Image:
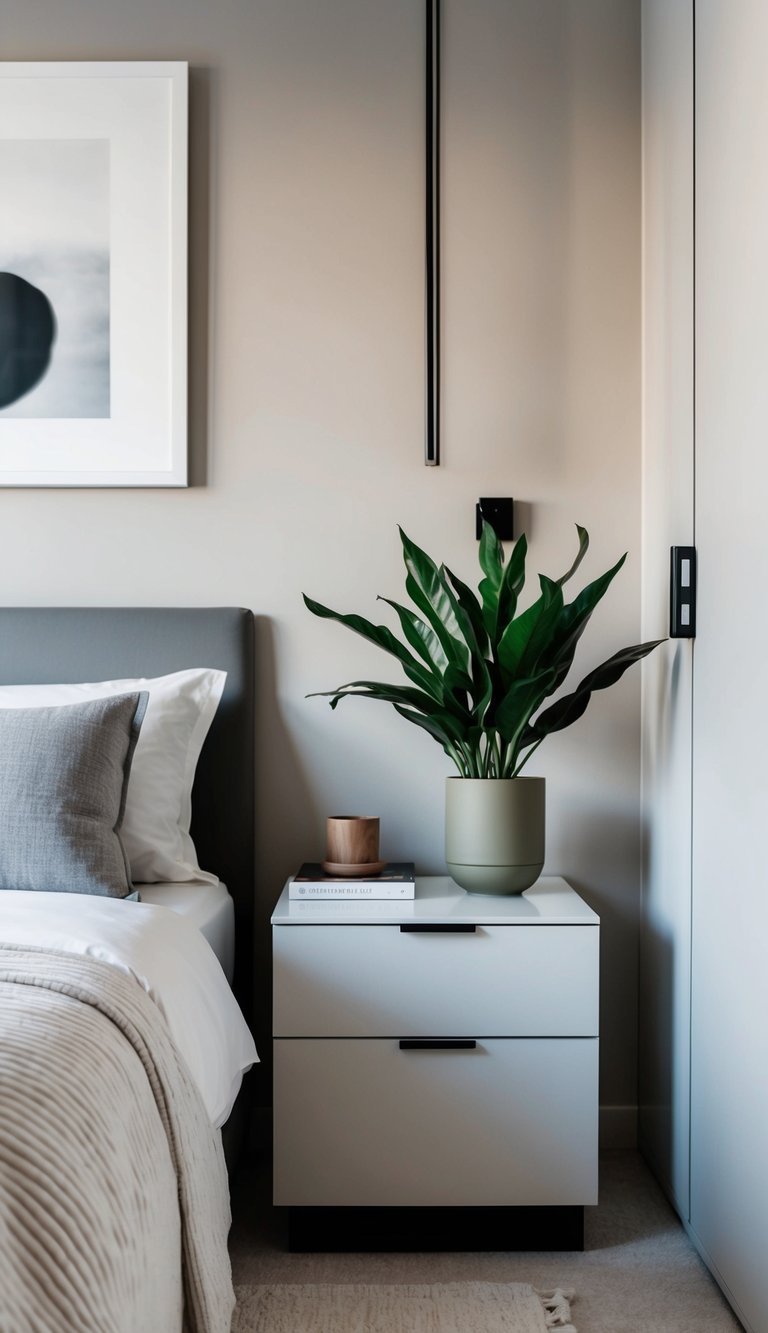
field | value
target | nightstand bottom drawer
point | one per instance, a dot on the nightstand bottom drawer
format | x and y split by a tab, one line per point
512	1121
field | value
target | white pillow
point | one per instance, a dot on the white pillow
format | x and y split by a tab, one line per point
158	808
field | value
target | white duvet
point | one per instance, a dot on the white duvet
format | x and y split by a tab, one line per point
168	957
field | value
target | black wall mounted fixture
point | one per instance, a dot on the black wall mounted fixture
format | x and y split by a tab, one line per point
432	250
682	592
500	513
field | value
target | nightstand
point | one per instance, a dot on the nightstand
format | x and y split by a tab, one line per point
436	1068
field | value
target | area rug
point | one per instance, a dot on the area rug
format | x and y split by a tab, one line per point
443	1307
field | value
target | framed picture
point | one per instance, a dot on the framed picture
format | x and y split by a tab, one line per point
93	274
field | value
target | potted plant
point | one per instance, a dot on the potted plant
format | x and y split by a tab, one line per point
479	673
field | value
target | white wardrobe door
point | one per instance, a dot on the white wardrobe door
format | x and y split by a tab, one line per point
729	1083
665	982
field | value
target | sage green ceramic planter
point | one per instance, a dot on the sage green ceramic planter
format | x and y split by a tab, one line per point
494	833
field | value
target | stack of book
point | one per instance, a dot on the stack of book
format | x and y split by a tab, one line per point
396	880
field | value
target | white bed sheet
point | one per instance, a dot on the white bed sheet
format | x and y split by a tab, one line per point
168	957
207	906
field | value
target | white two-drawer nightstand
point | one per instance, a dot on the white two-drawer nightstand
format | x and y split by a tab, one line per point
437	1056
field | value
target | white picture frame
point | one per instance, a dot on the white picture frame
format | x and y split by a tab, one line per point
93	273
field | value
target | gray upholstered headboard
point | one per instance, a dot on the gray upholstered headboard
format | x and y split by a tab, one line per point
46	645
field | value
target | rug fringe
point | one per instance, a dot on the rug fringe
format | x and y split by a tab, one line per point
557	1309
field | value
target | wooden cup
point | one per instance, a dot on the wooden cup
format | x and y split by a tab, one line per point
352	839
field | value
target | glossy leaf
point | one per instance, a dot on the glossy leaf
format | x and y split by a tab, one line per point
571	707
428	592
583	548
521	700
479	684
453	719
491	556
574	620
420	636
513	581
538	649
519	643
440	734
580	609
471	608
382	638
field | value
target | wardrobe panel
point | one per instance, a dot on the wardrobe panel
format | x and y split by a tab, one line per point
667	29
729	1027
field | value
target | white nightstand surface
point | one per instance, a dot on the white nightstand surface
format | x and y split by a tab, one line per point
549	902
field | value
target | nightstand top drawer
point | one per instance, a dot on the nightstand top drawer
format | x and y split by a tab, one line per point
387	981
549	902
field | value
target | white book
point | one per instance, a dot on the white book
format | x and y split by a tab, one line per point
397	880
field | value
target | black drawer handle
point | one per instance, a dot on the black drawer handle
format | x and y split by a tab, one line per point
422	1044
450	929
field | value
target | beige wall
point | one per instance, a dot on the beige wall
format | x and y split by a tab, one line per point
307	336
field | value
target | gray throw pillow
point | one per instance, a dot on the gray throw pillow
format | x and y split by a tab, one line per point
63	778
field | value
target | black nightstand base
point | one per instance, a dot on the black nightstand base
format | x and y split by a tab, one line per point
317	1230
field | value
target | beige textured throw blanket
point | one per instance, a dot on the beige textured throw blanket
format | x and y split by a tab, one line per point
114	1204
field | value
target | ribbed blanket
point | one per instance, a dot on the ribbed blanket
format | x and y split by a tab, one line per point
114	1202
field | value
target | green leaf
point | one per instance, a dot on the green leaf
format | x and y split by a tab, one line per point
456	687
575	618
512	584
583	605
491	555
538	650
453	718
583	548
521	700
377	634
571	707
428	724
514	640
471	608
437	732
479	685
382	638
482	691
420	636
430	594
523	639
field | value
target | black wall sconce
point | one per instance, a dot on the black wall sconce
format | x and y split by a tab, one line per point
500	513
432	284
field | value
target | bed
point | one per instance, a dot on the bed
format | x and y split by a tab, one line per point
122	1047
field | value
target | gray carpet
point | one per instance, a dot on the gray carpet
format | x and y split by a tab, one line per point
638	1274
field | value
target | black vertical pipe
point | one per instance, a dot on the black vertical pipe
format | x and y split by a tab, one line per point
432	436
